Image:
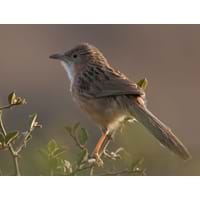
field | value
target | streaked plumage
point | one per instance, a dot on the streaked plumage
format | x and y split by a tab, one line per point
110	98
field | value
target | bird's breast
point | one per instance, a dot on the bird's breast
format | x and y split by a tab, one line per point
107	112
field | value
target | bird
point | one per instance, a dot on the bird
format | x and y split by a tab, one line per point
110	98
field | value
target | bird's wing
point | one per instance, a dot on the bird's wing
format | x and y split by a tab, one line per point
97	82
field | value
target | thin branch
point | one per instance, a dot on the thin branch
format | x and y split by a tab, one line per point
7	106
124	172
92	171
81	169
10	147
16	162
25	141
21	148
28	136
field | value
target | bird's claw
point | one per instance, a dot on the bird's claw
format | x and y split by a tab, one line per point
99	161
96	160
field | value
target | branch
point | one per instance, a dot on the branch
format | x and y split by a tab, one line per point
10	147
7	106
124	172
81	169
23	145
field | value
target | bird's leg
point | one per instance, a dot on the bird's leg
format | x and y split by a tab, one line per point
99	145
108	139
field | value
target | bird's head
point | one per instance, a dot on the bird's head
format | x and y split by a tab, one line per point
80	57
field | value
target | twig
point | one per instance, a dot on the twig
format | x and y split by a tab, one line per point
21	147
92	171
10	147
124	172
7	106
81	169
25	141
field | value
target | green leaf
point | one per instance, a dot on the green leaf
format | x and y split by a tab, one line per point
12	98
83	156
142	83
2	138
75	127
52	145
59	151
83	136
11	137
32	120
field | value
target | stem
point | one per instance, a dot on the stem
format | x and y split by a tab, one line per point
80	169
10	147
16	163
92	171
7	107
123	172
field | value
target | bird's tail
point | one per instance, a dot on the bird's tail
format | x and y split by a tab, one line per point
158	129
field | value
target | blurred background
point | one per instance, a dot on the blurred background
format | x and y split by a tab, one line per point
167	55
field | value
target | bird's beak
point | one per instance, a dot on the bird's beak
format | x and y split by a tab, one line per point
56	56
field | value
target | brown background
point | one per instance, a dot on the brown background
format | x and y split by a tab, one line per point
167	55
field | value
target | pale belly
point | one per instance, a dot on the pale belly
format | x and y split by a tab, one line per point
107	113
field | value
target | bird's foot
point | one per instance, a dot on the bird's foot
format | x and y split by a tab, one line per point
96	160
99	161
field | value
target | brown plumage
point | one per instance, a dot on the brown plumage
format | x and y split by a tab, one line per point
109	97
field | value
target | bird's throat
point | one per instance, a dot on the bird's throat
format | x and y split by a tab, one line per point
69	68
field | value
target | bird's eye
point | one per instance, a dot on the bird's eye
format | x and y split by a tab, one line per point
75	55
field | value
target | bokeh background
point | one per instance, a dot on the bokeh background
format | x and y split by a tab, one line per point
167	55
